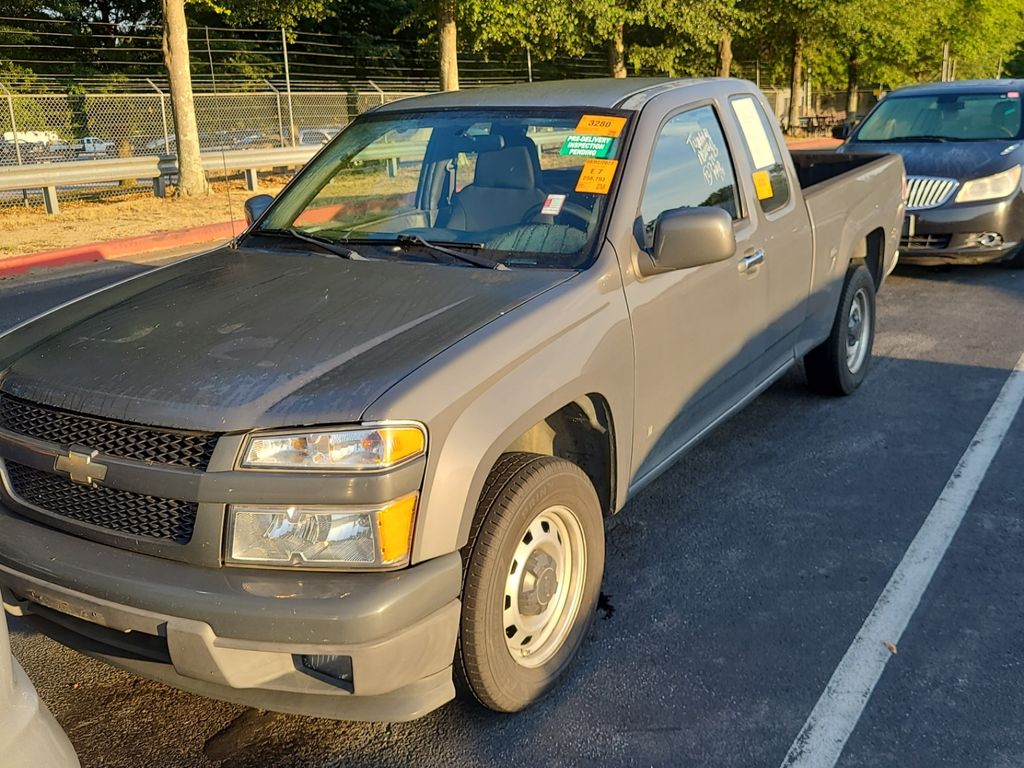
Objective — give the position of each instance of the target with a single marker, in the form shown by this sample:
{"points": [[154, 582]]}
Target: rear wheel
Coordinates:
{"points": [[533, 569], [839, 364]]}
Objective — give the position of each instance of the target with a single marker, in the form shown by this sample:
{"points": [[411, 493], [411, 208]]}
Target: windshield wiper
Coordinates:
{"points": [[322, 242], [922, 137], [467, 258]]}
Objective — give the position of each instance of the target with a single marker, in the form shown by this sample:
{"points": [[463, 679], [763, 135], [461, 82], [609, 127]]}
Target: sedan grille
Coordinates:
{"points": [[925, 242], [122, 511], [928, 191], [127, 441]]}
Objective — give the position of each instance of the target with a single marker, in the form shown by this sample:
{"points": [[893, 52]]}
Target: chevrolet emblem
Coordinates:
{"points": [[80, 467]]}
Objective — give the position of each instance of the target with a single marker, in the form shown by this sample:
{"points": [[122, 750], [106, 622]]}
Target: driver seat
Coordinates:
{"points": [[503, 192]]}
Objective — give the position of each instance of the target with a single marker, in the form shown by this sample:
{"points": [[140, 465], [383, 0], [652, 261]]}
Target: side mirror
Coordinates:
{"points": [[255, 206], [690, 237]]}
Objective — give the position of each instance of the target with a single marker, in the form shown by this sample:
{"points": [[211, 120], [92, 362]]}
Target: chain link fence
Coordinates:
{"points": [[60, 128], [56, 128]]}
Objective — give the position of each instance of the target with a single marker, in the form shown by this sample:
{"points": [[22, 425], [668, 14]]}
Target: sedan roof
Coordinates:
{"points": [[959, 86]]}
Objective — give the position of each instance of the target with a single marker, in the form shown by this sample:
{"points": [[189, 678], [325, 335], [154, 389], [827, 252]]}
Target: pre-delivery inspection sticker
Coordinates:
{"points": [[587, 146]]}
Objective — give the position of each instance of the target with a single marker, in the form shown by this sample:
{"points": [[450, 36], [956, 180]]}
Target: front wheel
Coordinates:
{"points": [[533, 570], [839, 364]]}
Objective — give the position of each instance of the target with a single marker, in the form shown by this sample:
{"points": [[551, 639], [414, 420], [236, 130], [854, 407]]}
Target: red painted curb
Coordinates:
{"points": [[128, 246]]}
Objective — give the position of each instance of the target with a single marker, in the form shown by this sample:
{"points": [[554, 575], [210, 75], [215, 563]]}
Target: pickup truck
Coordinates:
{"points": [[369, 450], [87, 145]]}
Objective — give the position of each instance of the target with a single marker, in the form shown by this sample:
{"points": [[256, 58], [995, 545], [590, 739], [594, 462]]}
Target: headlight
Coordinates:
{"points": [[322, 537], [990, 187], [344, 449]]}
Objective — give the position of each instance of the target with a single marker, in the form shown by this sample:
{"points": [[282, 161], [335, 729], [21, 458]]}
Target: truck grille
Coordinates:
{"points": [[127, 441], [925, 242], [122, 511], [928, 191]]}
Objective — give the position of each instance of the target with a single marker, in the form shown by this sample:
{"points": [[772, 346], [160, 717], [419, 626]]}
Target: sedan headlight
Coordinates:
{"points": [[344, 449], [990, 187], [322, 537]]}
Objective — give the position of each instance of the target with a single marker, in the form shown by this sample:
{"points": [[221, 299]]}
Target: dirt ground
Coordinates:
{"points": [[28, 230]]}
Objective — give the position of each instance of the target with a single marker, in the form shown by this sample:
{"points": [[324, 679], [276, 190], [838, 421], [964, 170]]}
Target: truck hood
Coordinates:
{"points": [[242, 339], [961, 160]]}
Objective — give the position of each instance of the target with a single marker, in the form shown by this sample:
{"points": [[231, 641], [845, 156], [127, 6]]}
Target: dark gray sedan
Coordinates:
{"points": [[962, 144]]}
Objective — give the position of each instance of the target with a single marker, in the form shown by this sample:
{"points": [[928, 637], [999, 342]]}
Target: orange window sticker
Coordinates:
{"points": [[596, 176], [601, 125], [763, 185]]}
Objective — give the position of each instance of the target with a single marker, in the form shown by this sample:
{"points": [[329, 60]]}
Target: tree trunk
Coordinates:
{"points": [[124, 149], [852, 83], [796, 85], [191, 179], [617, 52], [725, 54], [447, 36]]}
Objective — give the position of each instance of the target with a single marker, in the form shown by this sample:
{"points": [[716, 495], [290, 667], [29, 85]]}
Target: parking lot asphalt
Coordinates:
{"points": [[734, 586]]}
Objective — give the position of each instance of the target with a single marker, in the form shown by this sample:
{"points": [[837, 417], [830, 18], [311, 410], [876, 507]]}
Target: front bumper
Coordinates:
{"points": [[241, 636], [950, 233]]}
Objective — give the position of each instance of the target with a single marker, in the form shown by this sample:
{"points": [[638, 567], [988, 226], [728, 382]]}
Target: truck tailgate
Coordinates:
{"points": [[849, 197]]}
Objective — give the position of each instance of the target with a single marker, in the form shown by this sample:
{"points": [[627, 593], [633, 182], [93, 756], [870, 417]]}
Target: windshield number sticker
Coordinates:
{"points": [[601, 125], [763, 185], [596, 176], [553, 205], [587, 146]]}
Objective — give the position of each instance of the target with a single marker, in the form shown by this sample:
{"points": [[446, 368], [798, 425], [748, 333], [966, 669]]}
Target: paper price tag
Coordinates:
{"points": [[596, 176], [763, 185], [601, 125], [553, 205]]}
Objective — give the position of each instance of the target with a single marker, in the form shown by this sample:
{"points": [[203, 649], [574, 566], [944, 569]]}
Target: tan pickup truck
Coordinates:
{"points": [[368, 450]]}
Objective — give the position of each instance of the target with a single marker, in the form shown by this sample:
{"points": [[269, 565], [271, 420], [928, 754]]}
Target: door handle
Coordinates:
{"points": [[747, 263]]}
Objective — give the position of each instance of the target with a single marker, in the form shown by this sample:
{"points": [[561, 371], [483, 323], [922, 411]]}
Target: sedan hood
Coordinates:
{"points": [[960, 160], [243, 339]]}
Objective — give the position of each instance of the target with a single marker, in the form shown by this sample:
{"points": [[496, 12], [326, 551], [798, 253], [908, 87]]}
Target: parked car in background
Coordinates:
{"points": [[29, 736], [378, 451], [316, 136], [963, 146]]}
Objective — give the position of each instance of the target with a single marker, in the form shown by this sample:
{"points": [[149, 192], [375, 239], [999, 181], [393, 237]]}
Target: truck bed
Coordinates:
{"points": [[814, 166]]}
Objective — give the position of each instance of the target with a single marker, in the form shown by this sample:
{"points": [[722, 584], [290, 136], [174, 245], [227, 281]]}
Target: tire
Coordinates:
{"points": [[523, 622], [1014, 262], [839, 364]]}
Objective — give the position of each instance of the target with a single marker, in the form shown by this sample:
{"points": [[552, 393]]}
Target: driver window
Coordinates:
{"points": [[690, 168]]}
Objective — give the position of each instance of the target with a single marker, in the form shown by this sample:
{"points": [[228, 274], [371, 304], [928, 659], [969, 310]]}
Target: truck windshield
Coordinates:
{"points": [[519, 188], [945, 117]]}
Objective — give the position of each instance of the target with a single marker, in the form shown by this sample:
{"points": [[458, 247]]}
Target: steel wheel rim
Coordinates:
{"points": [[544, 587], [858, 330]]}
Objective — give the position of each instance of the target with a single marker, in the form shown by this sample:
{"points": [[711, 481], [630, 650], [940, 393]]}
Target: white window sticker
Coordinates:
{"points": [[760, 146], [553, 205]]}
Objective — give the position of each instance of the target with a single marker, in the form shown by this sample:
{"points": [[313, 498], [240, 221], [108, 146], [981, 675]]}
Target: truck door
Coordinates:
{"points": [[784, 229], [695, 330]]}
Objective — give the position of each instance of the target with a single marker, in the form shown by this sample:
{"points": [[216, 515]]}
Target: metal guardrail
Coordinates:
{"points": [[159, 168], [49, 176]]}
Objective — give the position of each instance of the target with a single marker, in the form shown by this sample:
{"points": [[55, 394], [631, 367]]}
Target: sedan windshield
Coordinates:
{"points": [[510, 189], [945, 117]]}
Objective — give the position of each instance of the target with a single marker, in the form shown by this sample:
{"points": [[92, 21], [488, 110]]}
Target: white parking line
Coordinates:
{"points": [[821, 740]]}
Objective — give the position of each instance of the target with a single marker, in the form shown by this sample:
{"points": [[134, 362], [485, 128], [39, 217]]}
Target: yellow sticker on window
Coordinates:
{"points": [[596, 176], [763, 185], [601, 125]]}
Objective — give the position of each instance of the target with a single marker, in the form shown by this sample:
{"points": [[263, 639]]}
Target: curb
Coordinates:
{"points": [[114, 250]]}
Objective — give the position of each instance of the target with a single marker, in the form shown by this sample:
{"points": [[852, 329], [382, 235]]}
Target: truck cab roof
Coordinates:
{"points": [[959, 86], [607, 93]]}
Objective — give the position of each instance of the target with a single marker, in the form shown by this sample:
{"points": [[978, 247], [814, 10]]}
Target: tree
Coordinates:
{"points": [[447, 11], [191, 178]]}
